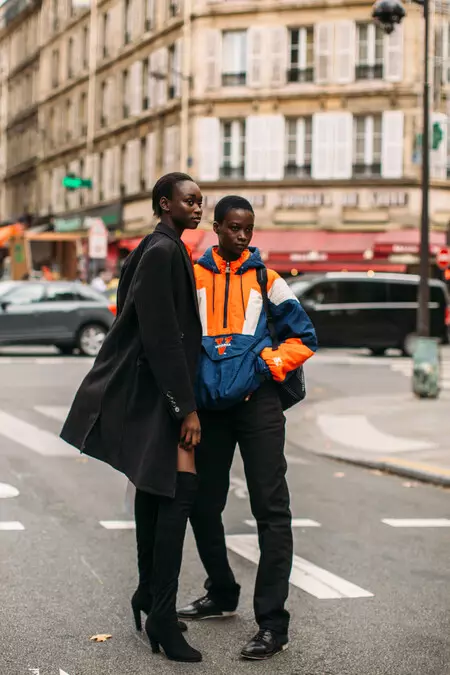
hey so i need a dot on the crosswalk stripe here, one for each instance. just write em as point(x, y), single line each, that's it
point(10, 525)
point(416, 522)
point(8, 491)
point(310, 578)
point(34, 438)
point(56, 412)
point(296, 522)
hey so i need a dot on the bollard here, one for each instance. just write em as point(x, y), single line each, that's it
point(426, 368)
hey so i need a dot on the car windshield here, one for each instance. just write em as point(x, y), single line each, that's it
point(298, 287)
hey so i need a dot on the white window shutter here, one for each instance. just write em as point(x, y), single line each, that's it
point(392, 144)
point(135, 165)
point(54, 190)
point(278, 56)
point(136, 88)
point(178, 66)
point(393, 55)
point(345, 51)
point(322, 146)
point(169, 149)
point(256, 48)
point(255, 145)
point(438, 157)
point(151, 85)
point(343, 145)
point(115, 172)
point(300, 142)
point(208, 148)
point(95, 178)
point(213, 51)
point(138, 19)
point(323, 51)
point(161, 84)
point(150, 160)
point(275, 135)
point(445, 54)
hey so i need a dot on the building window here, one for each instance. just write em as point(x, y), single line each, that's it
point(142, 168)
point(145, 87)
point(298, 147)
point(85, 47)
point(234, 58)
point(83, 113)
point(103, 103)
point(55, 17)
point(149, 13)
point(101, 174)
point(123, 170)
point(367, 146)
point(233, 149)
point(51, 129)
point(369, 51)
point(70, 59)
point(69, 120)
point(128, 20)
point(171, 72)
point(105, 29)
point(81, 192)
point(55, 68)
point(174, 8)
point(126, 93)
point(301, 55)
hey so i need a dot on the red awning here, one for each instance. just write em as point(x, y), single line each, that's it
point(130, 244)
point(192, 238)
point(405, 241)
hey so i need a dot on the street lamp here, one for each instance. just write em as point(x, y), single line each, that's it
point(389, 13)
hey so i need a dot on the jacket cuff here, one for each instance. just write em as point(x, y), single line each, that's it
point(180, 409)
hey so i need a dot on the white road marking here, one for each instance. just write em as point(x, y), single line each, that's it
point(118, 524)
point(10, 525)
point(305, 575)
point(8, 491)
point(356, 431)
point(238, 487)
point(34, 438)
point(296, 522)
point(4, 360)
point(56, 412)
point(62, 672)
point(417, 522)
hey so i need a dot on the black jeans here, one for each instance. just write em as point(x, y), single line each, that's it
point(258, 427)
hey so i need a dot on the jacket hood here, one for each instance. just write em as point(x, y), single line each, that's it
point(250, 259)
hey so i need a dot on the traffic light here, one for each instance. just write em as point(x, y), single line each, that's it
point(72, 182)
point(437, 136)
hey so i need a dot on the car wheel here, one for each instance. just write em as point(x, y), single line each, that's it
point(90, 339)
point(409, 344)
point(378, 351)
point(66, 350)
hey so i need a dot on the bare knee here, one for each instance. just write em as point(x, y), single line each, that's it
point(186, 461)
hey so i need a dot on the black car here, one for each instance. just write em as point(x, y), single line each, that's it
point(376, 311)
point(66, 314)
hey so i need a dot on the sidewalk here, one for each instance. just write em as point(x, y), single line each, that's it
point(396, 433)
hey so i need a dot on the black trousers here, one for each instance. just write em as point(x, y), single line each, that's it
point(258, 426)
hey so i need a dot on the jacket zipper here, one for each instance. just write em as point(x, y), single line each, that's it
point(227, 289)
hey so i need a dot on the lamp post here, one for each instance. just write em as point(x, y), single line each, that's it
point(389, 13)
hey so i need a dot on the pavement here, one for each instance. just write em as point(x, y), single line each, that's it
point(380, 424)
point(369, 587)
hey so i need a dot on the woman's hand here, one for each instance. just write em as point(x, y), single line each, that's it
point(190, 432)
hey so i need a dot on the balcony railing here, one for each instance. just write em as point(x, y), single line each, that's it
point(294, 171)
point(365, 72)
point(300, 75)
point(227, 171)
point(234, 79)
point(367, 170)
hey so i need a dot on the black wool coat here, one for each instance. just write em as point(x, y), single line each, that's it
point(129, 408)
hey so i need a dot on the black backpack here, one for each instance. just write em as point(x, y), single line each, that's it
point(293, 389)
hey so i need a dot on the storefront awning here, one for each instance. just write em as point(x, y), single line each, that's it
point(406, 241)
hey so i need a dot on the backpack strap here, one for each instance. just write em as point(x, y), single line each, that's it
point(261, 275)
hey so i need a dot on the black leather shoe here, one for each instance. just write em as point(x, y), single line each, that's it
point(265, 644)
point(203, 608)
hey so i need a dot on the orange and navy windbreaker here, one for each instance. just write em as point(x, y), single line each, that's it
point(237, 354)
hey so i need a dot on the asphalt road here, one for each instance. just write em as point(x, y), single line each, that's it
point(384, 610)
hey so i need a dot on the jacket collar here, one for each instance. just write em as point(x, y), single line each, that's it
point(165, 229)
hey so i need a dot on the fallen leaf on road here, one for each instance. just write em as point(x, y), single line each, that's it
point(339, 474)
point(100, 638)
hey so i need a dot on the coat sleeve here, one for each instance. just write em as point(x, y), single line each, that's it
point(160, 332)
point(296, 333)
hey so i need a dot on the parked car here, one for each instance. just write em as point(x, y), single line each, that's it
point(377, 311)
point(66, 314)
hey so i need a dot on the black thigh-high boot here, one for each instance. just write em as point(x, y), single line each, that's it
point(145, 514)
point(162, 625)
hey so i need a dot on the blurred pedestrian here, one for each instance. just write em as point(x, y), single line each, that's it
point(136, 409)
point(239, 402)
point(101, 280)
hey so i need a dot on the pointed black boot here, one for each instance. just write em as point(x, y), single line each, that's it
point(145, 513)
point(162, 625)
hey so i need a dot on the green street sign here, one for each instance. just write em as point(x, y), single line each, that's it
point(72, 182)
point(437, 136)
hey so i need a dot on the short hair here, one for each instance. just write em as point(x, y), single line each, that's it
point(229, 203)
point(164, 188)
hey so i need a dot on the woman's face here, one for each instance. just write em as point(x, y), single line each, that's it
point(185, 207)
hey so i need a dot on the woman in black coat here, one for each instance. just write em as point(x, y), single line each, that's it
point(136, 408)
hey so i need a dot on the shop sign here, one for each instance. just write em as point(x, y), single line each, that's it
point(258, 201)
point(304, 200)
point(98, 239)
point(389, 198)
point(310, 256)
point(67, 224)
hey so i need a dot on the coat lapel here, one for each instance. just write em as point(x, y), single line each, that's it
point(188, 264)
